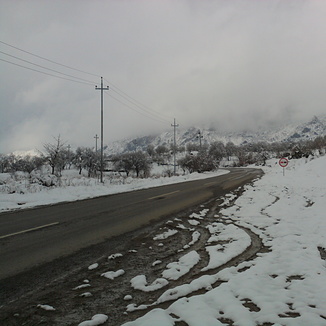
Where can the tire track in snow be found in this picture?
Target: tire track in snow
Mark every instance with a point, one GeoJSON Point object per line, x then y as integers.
{"type": "Point", "coordinates": [196, 273]}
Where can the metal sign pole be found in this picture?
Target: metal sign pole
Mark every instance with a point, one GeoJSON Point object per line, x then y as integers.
{"type": "Point", "coordinates": [283, 162]}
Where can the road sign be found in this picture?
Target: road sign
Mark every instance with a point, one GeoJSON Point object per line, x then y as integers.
{"type": "Point", "coordinates": [283, 162]}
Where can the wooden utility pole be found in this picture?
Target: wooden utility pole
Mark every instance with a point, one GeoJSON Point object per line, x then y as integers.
{"type": "Point", "coordinates": [200, 136]}
{"type": "Point", "coordinates": [69, 160]}
{"type": "Point", "coordinates": [174, 145]}
{"type": "Point", "coordinates": [96, 138]}
{"type": "Point", "coordinates": [102, 89]}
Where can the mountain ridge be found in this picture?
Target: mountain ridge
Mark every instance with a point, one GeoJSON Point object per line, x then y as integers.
{"type": "Point", "coordinates": [292, 132]}
{"type": "Point", "coordinates": [287, 133]}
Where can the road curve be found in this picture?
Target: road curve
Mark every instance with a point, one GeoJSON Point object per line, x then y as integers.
{"type": "Point", "coordinates": [34, 236]}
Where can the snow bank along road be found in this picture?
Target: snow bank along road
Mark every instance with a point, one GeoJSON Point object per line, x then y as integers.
{"type": "Point", "coordinates": [34, 236]}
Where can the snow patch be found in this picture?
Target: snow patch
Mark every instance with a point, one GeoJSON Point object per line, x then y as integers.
{"type": "Point", "coordinates": [98, 319]}
{"type": "Point", "coordinates": [165, 234]}
{"type": "Point", "coordinates": [139, 282]}
{"type": "Point", "coordinates": [93, 266]}
{"type": "Point", "coordinates": [177, 269]}
{"type": "Point", "coordinates": [46, 307]}
{"type": "Point", "coordinates": [112, 275]}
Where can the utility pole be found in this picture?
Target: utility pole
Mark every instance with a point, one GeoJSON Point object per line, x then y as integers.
{"type": "Point", "coordinates": [200, 136]}
{"type": "Point", "coordinates": [174, 145]}
{"type": "Point", "coordinates": [102, 89]}
{"type": "Point", "coordinates": [69, 163]}
{"type": "Point", "coordinates": [96, 138]}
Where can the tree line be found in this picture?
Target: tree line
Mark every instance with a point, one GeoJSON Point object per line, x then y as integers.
{"type": "Point", "coordinates": [191, 158]}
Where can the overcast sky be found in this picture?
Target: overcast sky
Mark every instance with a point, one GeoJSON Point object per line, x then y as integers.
{"type": "Point", "coordinates": [232, 64]}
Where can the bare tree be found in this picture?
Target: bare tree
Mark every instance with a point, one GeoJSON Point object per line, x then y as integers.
{"type": "Point", "coordinates": [91, 161]}
{"type": "Point", "coordinates": [86, 158]}
{"type": "Point", "coordinates": [162, 150]}
{"type": "Point", "coordinates": [217, 152]}
{"type": "Point", "coordinates": [151, 150]}
{"type": "Point", "coordinates": [133, 161]}
{"type": "Point", "coordinates": [192, 147]}
{"type": "Point", "coordinates": [189, 163]}
{"type": "Point", "coordinates": [78, 159]}
{"type": "Point", "coordinates": [54, 154]}
{"type": "Point", "coordinates": [122, 163]}
{"type": "Point", "coordinates": [230, 149]}
{"type": "Point", "coordinates": [140, 163]}
{"type": "Point", "coordinates": [5, 163]}
{"type": "Point", "coordinates": [200, 162]}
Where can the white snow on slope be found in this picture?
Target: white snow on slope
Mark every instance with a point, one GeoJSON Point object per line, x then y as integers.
{"type": "Point", "coordinates": [284, 286]}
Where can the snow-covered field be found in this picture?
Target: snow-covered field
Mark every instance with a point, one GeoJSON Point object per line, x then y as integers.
{"type": "Point", "coordinates": [19, 192]}
{"type": "Point", "coordinates": [284, 286]}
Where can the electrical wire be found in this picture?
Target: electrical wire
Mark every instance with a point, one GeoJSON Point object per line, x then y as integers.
{"type": "Point", "coordinates": [145, 111]}
{"type": "Point", "coordinates": [133, 109]}
{"type": "Point", "coordinates": [139, 104]}
{"type": "Point", "coordinates": [53, 70]}
{"type": "Point", "coordinates": [45, 73]}
{"type": "Point", "coordinates": [142, 109]}
{"type": "Point", "coordinates": [43, 58]}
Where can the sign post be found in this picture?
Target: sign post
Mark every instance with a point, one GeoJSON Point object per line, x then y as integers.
{"type": "Point", "coordinates": [283, 162]}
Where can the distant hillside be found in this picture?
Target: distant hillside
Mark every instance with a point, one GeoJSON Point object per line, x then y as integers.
{"type": "Point", "coordinates": [294, 133]}
{"type": "Point", "coordinates": [290, 132]}
{"type": "Point", "coordinates": [32, 152]}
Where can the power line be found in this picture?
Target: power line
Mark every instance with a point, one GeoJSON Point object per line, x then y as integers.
{"type": "Point", "coordinates": [53, 70]}
{"type": "Point", "coordinates": [43, 58]}
{"type": "Point", "coordinates": [146, 112]}
{"type": "Point", "coordinates": [138, 111]}
{"type": "Point", "coordinates": [45, 73]}
{"type": "Point", "coordinates": [137, 103]}
{"type": "Point", "coordinates": [143, 109]}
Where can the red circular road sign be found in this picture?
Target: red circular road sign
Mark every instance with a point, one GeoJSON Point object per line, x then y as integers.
{"type": "Point", "coordinates": [283, 162]}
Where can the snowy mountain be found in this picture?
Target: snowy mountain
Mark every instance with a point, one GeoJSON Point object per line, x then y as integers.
{"type": "Point", "coordinates": [307, 131]}
{"type": "Point", "coordinates": [32, 152]}
{"type": "Point", "coordinates": [290, 132]}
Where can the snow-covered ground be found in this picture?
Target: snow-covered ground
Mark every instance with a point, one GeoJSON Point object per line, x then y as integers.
{"type": "Point", "coordinates": [19, 192]}
{"type": "Point", "coordinates": [285, 285]}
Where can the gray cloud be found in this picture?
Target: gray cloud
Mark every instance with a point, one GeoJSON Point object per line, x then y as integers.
{"type": "Point", "coordinates": [235, 64]}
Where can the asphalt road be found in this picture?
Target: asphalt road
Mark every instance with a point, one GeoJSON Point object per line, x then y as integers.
{"type": "Point", "coordinates": [32, 237]}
